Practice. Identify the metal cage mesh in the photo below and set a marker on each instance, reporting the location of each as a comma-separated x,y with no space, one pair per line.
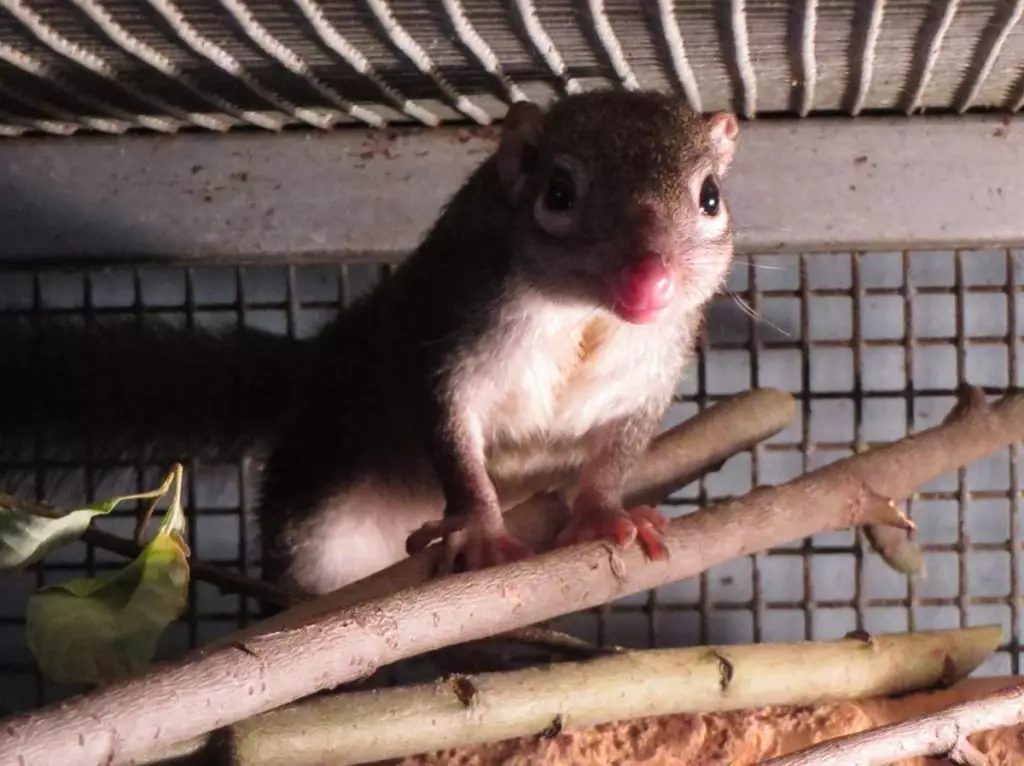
165,65
873,345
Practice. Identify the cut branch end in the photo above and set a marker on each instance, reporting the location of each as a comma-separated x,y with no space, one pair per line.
878,509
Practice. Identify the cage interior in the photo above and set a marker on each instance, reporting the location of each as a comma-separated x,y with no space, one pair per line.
872,285
873,344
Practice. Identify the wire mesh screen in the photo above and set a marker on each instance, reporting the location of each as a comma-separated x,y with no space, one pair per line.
873,345
162,65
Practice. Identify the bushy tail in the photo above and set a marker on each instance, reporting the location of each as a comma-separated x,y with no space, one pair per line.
135,389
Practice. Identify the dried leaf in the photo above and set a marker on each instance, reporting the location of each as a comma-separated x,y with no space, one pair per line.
93,630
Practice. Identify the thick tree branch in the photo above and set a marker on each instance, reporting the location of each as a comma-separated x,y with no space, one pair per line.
675,458
702,444
741,737
366,727
234,582
938,734
293,658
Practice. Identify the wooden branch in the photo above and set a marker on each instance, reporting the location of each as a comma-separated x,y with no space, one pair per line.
458,712
895,545
702,444
738,738
212,688
943,733
675,458
234,582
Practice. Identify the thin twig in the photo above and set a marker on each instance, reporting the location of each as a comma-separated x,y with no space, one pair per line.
938,734
966,754
225,579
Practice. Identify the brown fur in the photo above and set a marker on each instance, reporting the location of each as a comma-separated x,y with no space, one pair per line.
467,314
490,365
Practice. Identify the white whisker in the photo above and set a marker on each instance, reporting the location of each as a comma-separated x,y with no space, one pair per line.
749,311
766,267
751,264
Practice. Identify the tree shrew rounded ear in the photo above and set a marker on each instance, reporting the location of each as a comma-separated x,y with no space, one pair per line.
723,128
519,133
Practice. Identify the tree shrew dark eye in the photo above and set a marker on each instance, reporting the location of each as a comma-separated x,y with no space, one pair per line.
710,203
561,193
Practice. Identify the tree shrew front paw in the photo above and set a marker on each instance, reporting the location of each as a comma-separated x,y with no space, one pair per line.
619,526
467,544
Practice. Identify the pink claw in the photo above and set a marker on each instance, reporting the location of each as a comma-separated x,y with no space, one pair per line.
477,545
622,527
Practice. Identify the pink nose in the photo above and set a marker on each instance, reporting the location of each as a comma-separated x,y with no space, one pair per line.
644,289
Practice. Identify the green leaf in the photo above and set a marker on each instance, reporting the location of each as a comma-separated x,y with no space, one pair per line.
28,531
94,630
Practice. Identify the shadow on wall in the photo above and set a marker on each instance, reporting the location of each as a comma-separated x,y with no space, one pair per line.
52,208
42,215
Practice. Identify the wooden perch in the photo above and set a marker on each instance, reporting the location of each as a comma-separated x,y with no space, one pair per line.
703,443
943,733
212,688
735,738
457,712
675,458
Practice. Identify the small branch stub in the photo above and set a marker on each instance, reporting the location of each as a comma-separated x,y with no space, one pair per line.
861,635
973,418
966,754
725,671
554,729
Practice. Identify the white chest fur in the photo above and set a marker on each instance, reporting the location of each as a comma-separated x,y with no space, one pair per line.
561,372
